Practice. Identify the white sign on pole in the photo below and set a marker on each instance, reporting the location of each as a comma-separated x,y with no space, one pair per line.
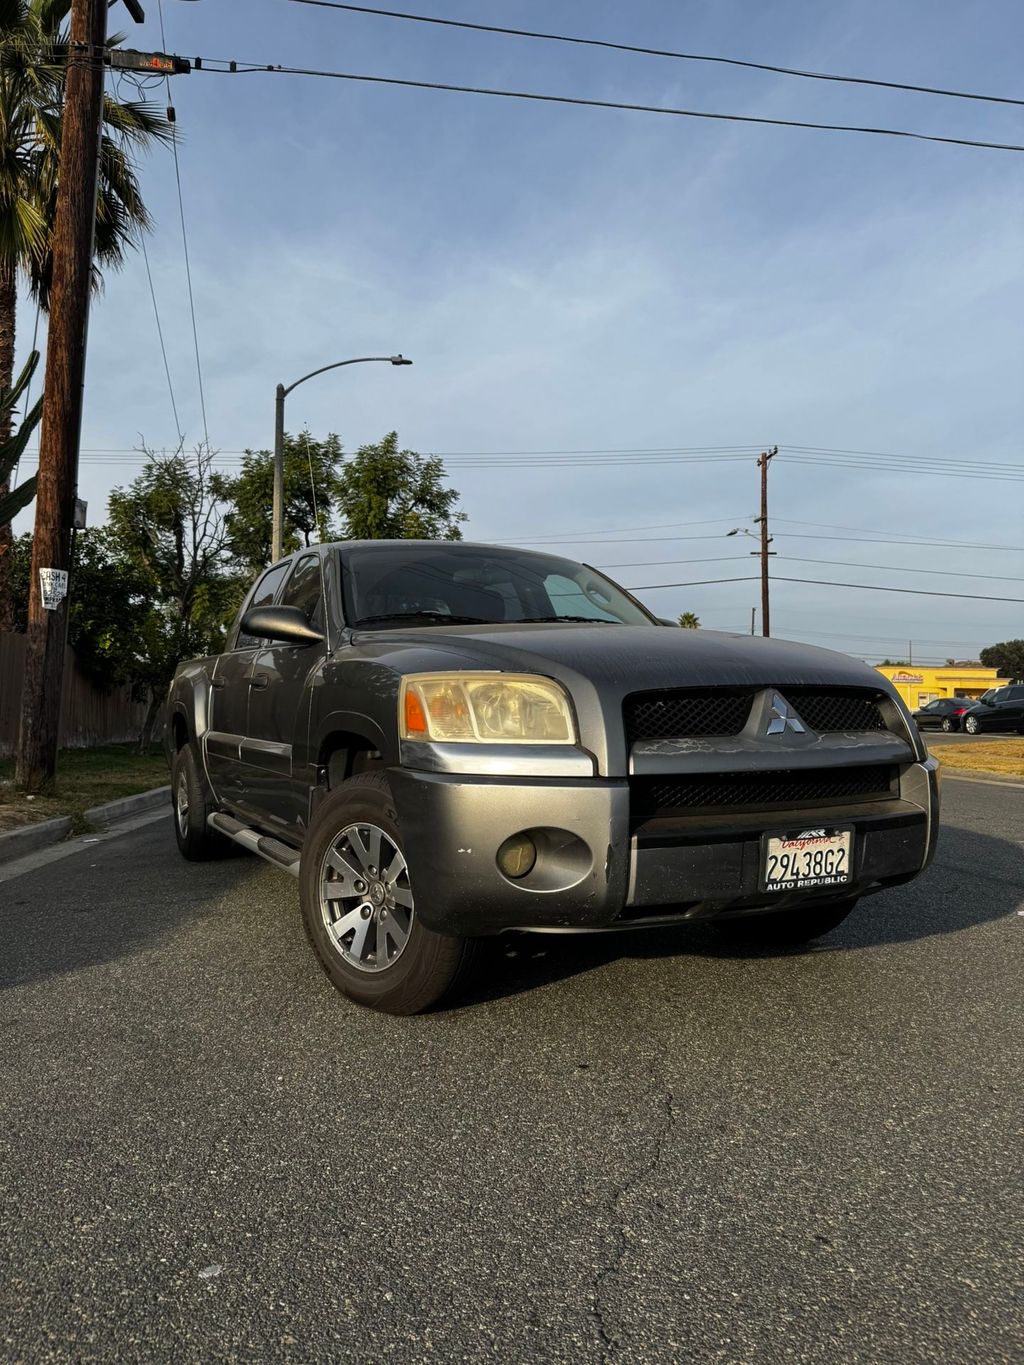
54,585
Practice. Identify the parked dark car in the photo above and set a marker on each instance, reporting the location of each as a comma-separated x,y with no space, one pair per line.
1000,709
445,741
944,714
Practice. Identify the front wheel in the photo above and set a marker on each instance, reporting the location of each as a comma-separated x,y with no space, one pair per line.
947,725
358,906
971,725
791,927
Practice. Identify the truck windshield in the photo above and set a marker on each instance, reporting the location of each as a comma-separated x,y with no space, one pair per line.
442,583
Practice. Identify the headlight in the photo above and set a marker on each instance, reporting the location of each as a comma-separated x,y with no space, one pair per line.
485,708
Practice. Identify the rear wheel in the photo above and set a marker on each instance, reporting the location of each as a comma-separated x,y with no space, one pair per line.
971,725
192,809
799,925
358,906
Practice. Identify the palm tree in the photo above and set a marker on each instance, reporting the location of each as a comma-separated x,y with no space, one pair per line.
33,59
689,620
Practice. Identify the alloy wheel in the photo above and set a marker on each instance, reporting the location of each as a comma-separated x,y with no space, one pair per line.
181,804
365,898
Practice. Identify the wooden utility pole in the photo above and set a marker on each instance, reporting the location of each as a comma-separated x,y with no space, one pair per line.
73,234
766,457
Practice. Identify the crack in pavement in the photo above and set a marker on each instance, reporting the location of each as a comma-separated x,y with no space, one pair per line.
642,1175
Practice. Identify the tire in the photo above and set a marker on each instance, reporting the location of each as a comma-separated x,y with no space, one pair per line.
192,807
355,826
790,927
947,725
971,725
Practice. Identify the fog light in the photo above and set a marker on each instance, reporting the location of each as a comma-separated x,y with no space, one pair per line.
517,856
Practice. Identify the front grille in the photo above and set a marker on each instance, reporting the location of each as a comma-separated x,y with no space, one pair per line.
676,715
835,710
707,712
651,797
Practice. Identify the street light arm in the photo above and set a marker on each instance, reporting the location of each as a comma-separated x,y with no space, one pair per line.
277,514
360,360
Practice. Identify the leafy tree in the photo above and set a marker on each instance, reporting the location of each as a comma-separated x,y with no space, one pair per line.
309,503
106,597
33,61
895,663
168,530
391,494
1007,658
689,620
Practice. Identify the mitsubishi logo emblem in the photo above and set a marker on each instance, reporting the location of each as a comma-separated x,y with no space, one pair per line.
782,718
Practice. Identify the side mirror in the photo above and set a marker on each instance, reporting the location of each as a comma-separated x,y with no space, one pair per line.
667,621
286,624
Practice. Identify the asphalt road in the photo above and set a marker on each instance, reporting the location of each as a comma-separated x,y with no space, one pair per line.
639,1148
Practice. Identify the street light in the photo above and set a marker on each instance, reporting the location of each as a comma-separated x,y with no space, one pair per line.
277,524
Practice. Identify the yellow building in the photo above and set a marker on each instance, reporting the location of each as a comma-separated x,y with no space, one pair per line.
918,686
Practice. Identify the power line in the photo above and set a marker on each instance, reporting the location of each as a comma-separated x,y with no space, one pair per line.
905,568
837,563
184,241
254,68
900,537
659,52
160,334
665,526
828,583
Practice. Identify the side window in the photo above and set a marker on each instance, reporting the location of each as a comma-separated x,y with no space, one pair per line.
305,591
262,596
1000,695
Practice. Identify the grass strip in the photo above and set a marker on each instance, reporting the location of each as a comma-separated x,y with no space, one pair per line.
1004,756
85,778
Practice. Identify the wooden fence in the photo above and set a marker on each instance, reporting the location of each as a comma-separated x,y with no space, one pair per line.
88,714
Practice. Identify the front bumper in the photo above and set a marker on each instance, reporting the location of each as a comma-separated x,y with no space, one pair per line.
601,872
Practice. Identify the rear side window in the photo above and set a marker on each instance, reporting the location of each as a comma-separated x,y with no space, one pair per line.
305,590
262,596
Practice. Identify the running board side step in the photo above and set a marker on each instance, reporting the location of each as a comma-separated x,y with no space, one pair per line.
272,850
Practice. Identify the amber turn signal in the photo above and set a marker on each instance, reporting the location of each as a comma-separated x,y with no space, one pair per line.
415,717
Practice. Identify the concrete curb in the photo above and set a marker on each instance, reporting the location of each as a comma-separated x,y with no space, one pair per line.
981,776
101,816
16,843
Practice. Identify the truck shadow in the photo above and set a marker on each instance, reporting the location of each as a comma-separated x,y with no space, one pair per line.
974,879
108,904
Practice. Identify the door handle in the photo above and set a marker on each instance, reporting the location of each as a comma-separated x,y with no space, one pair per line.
259,680
218,682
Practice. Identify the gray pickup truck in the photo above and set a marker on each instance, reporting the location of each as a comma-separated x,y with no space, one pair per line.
444,741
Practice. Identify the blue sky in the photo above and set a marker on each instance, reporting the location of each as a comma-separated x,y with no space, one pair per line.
574,279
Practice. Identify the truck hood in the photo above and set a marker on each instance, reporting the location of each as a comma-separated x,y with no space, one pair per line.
622,659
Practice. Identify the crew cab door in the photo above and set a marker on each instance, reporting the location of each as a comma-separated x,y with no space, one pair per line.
279,770
229,701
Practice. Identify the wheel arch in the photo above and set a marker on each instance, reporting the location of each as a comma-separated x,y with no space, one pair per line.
348,745
178,729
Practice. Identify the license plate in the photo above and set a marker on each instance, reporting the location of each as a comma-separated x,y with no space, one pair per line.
807,858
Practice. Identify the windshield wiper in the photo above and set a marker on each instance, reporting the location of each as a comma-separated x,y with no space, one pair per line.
439,617
587,620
